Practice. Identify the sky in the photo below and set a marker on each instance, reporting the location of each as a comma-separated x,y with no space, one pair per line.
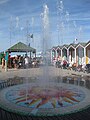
68,20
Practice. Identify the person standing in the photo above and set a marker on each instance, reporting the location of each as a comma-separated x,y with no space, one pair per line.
26,62
3,63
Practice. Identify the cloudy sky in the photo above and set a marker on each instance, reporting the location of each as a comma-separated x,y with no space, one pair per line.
68,20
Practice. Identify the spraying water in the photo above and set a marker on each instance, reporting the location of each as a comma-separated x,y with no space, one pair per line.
67,22
45,45
60,22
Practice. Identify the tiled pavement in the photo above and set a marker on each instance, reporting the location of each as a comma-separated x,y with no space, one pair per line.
82,115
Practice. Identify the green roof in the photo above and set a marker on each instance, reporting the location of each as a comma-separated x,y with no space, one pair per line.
21,47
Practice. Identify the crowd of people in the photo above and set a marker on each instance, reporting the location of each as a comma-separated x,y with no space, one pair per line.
71,66
27,62
20,62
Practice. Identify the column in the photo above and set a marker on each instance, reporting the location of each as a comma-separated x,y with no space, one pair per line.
68,55
51,56
85,55
61,54
56,53
30,55
75,55
6,61
35,54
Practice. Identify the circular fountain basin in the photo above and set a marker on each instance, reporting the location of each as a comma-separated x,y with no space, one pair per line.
29,99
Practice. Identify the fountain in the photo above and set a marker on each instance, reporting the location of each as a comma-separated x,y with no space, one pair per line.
45,95
56,99
45,46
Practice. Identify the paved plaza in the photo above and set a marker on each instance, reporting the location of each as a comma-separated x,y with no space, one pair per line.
53,71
